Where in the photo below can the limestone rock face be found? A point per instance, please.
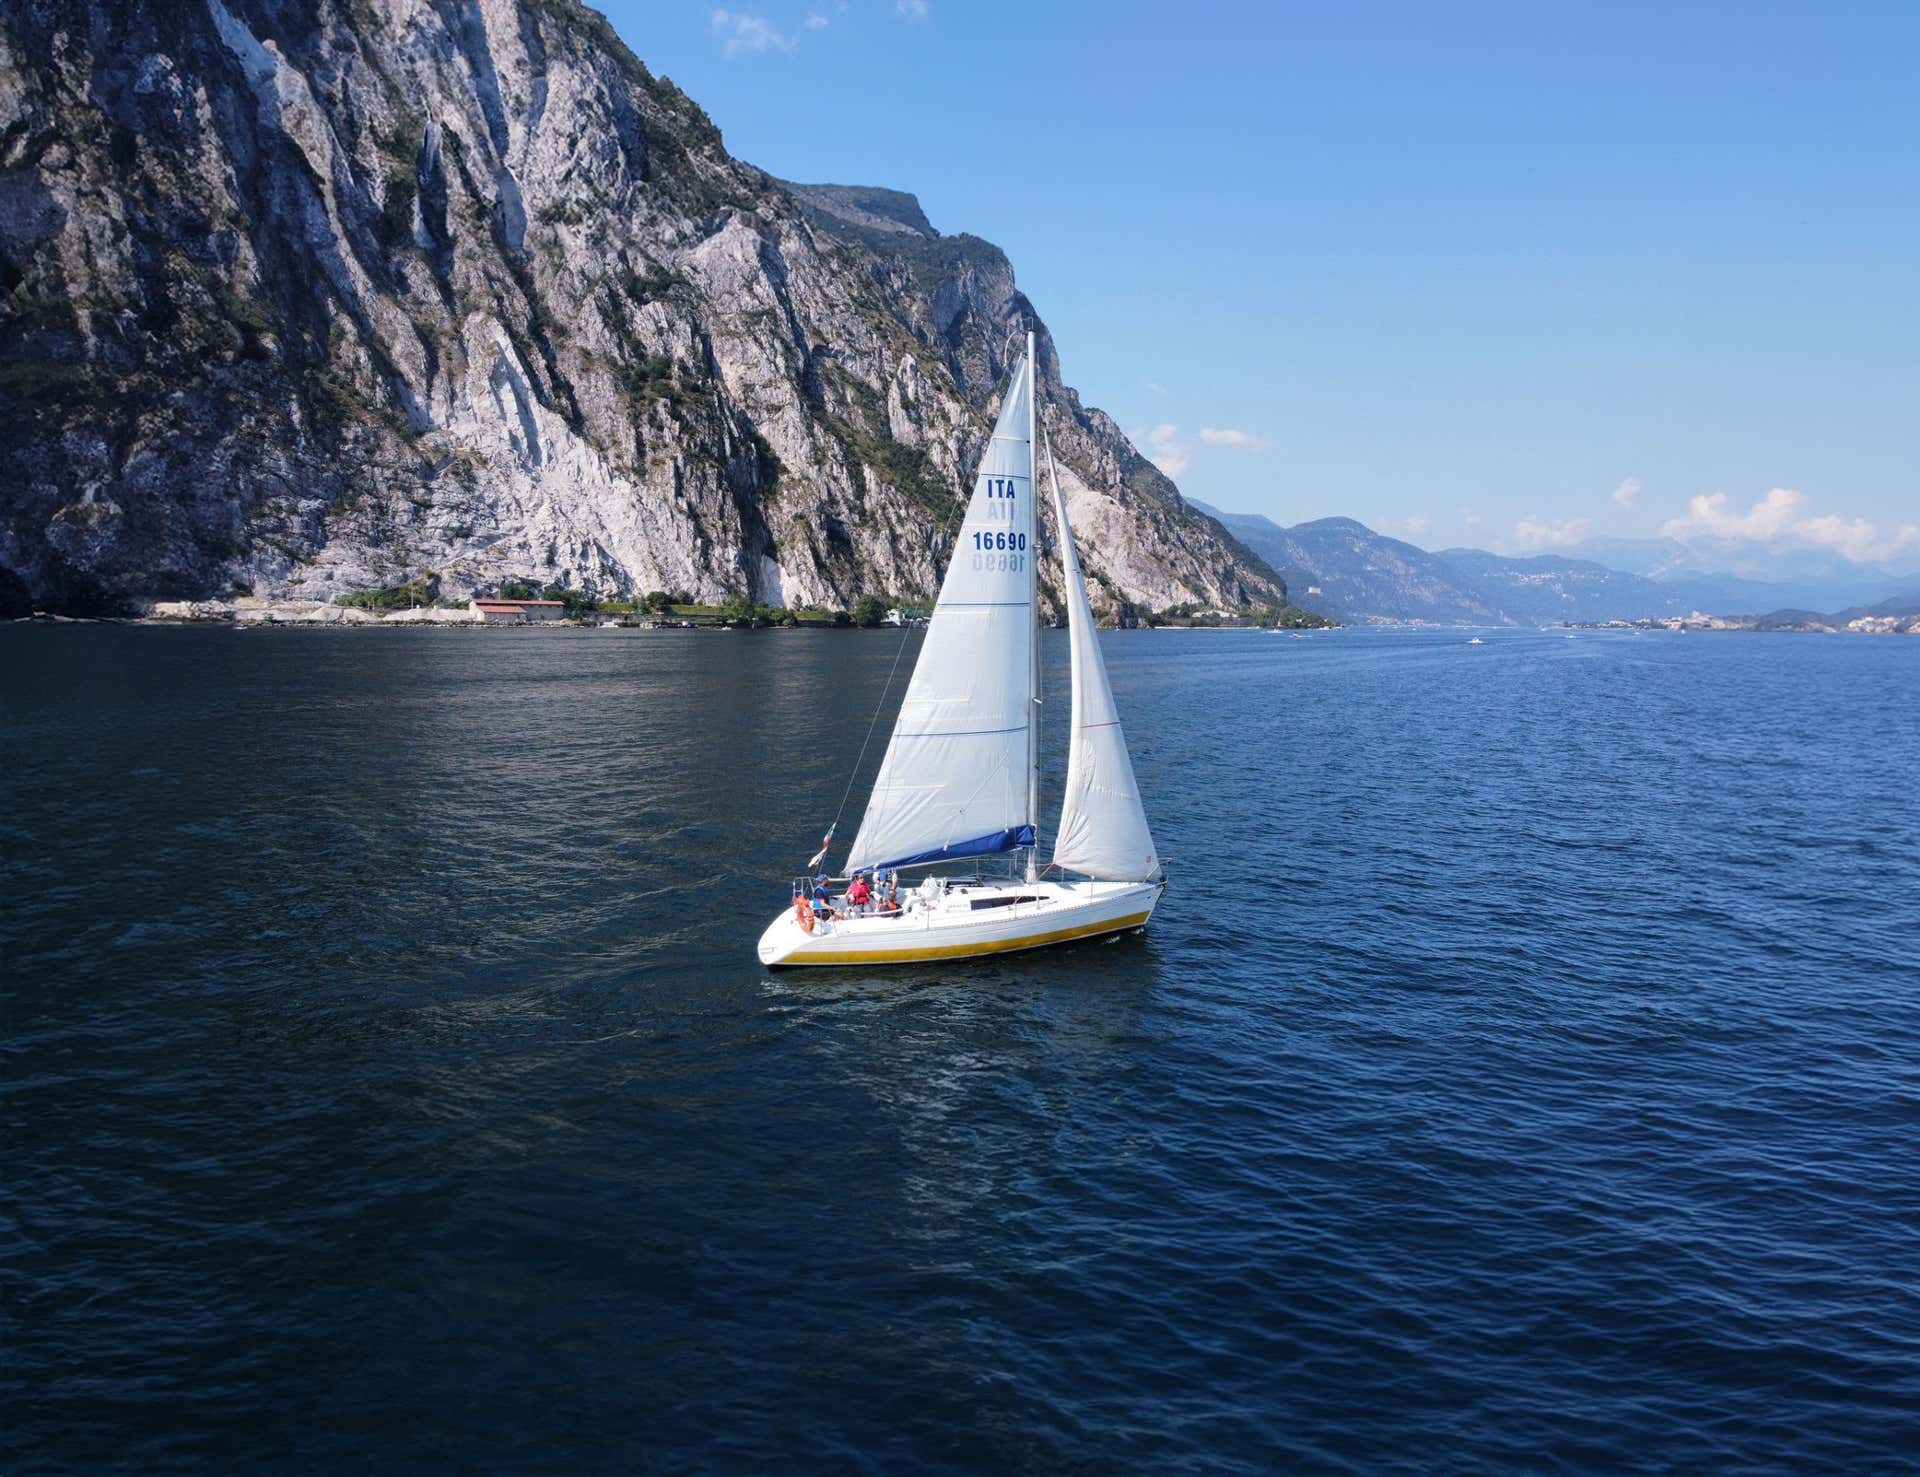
(302, 299)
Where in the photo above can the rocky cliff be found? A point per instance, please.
(303, 297)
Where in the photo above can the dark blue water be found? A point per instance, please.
(1523, 1071)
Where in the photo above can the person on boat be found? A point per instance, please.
(859, 895)
(823, 907)
(890, 893)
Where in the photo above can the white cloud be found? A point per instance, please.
(1776, 519)
(1242, 440)
(1165, 448)
(1709, 516)
(1470, 518)
(1628, 492)
(1858, 540)
(748, 33)
(1535, 533)
(816, 21)
(1172, 452)
(913, 10)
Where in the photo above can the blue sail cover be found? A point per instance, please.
(1011, 839)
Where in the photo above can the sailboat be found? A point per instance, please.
(961, 776)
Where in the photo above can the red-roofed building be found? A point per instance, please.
(518, 612)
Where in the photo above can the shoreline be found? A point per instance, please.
(346, 618)
(312, 615)
(46, 618)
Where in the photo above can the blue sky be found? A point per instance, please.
(1502, 274)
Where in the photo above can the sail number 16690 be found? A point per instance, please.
(1000, 552)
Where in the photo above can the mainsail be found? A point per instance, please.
(956, 778)
(1103, 827)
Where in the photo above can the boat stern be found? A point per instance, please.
(784, 937)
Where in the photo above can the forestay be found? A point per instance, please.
(955, 778)
(1103, 826)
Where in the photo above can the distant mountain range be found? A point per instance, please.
(1340, 568)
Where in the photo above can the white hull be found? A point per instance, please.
(972, 918)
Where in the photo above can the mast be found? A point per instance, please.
(1033, 612)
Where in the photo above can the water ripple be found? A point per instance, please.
(1522, 1072)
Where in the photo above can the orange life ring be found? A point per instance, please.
(804, 913)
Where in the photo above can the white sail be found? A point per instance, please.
(1103, 826)
(955, 780)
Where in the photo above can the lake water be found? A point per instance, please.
(1522, 1071)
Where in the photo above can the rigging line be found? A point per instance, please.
(878, 708)
(1007, 343)
(899, 651)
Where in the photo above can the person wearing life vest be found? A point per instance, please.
(823, 907)
(859, 895)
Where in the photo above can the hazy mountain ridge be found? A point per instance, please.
(1338, 567)
(301, 301)
(1543, 588)
(1341, 568)
(1737, 574)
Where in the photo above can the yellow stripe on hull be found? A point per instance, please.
(956, 951)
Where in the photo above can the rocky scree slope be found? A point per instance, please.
(307, 298)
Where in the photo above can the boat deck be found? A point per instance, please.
(967, 917)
